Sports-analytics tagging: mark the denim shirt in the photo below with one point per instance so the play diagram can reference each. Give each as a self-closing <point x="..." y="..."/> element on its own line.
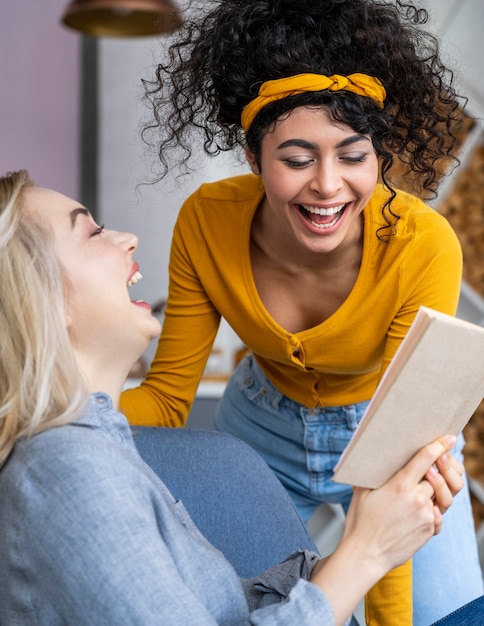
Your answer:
<point x="90" y="535"/>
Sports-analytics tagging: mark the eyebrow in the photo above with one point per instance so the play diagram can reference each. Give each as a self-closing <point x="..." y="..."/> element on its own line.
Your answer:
<point x="302" y="143"/>
<point x="75" y="212"/>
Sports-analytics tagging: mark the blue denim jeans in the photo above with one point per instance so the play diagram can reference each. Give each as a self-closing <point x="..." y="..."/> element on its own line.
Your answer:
<point x="471" y="614"/>
<point x="302" y="446"/>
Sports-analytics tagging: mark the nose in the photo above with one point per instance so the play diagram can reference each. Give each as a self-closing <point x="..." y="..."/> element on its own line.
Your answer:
<point x="327" y="180"/>
<point x="126" y="241"/>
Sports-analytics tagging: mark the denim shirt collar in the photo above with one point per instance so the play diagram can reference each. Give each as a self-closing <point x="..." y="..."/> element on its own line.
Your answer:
<point x="100" y="413"/>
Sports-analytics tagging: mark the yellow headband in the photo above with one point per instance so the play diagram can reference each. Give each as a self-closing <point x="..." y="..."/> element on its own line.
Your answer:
<point x="272" y="90"/>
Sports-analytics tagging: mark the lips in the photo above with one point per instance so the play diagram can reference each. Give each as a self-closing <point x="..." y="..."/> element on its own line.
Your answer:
<point x="142" y="304"/>
<point x="135" y="275"/>
<point x="322" y="217"/>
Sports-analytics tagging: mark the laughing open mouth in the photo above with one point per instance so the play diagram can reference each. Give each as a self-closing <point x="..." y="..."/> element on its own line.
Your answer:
<point x="322" y="217"/>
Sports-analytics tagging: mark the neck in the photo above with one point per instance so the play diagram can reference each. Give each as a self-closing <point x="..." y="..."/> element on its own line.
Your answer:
<point x="108" y="376"/>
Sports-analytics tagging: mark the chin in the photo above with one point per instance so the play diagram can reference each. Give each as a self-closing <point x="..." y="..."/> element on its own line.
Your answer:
<point x="155" y="330"/>
<point x="147" y="330"/>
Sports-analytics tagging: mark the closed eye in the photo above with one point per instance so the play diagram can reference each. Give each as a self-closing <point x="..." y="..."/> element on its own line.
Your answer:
<point x="98" y="230"/>
<point x="297" y="164"/>
<point x="356" y="159"/>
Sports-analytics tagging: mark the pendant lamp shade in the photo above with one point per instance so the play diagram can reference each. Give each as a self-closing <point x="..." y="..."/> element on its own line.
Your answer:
<point x="122" y="18"/>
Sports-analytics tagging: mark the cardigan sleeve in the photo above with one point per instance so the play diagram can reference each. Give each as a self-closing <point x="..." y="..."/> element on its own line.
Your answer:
<point x="189" y="329"/>
<point x="430" y="276"/>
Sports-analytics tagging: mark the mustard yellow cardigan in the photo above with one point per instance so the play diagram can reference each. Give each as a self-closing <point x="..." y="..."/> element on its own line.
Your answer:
<point x="338" y="362"/>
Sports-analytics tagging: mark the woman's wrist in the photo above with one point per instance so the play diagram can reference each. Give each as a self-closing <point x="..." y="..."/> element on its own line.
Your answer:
<point x="346" y="576"/>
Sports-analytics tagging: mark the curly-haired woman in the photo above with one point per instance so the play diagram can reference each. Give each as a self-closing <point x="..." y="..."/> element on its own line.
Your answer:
<point x="316" y="259"/>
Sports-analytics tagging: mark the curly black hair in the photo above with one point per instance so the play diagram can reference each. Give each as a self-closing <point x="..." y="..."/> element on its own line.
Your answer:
<point x="216" y="64"/>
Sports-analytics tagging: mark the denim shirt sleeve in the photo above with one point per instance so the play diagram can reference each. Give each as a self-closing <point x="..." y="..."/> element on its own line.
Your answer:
<point x="282" y="595"/>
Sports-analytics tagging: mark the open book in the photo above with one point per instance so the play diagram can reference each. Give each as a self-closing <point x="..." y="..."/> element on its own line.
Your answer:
<point x="431" y="388"/>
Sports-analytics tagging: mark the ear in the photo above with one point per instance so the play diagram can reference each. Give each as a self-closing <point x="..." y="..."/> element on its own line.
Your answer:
<point x="251" y="160"/>
<point x="68" y="320"/>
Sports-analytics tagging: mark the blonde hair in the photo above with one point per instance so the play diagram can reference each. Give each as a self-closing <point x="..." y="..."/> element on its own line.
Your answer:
<point x="40" y="382"/>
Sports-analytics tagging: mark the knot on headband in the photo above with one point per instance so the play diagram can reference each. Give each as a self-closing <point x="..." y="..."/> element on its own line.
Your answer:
<point x="273" y="90"/>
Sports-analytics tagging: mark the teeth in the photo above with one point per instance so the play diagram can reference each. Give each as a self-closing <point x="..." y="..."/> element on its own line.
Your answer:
<point x="321" y="211"/>
<point x="324" y="226"/>
<point x="134" y="279"/>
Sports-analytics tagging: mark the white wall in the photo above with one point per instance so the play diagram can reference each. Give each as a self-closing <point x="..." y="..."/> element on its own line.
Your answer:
<point x="149" y="211"/>
<point x="460" y="25"/>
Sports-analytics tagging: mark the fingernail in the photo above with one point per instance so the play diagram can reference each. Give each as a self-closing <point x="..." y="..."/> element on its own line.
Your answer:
<point x="451" y="440"/>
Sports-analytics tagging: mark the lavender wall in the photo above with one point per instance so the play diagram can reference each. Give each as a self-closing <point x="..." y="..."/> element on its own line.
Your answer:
<point x="39" y="93"/>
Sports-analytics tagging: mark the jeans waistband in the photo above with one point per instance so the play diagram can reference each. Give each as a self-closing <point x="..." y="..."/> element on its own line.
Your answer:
<point x="253" y="374"/>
